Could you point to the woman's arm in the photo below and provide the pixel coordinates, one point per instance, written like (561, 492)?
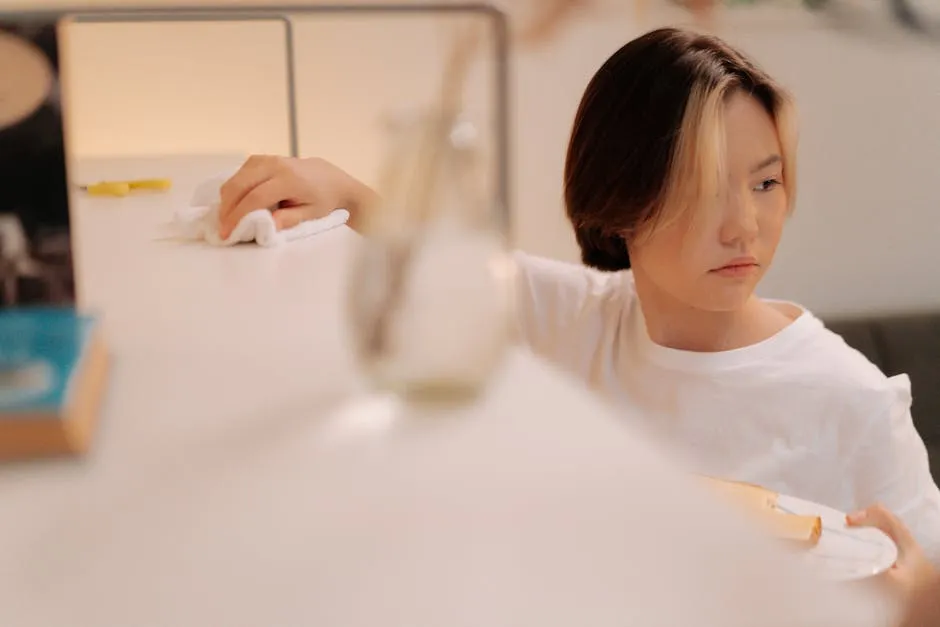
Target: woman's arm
(566, 311)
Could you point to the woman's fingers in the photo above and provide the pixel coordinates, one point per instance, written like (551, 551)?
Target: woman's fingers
(289, 218)
(263, 182)
(912, 567)
(253, 172)
(267, 195)
(294, 189)
(880, 518)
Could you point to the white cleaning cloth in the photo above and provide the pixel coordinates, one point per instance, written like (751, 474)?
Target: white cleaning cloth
(201, 221)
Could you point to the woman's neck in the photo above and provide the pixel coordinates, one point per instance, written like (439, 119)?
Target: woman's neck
(674, 324)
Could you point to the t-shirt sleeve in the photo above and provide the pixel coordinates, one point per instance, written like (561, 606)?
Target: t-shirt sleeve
(892, 468)
(556, 300)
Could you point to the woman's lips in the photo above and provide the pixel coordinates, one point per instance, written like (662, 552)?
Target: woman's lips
(737, 269)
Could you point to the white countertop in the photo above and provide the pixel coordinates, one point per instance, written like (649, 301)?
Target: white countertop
(238, 479)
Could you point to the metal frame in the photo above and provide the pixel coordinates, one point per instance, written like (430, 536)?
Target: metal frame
(284, 14)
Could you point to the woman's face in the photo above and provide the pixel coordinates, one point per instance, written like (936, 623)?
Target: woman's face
(713, 257)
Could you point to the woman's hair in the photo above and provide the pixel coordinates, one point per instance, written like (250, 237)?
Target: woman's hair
(647, 142)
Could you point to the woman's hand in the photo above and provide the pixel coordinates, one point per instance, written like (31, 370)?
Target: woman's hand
(912, 570)
(295, 190)
(924, 608)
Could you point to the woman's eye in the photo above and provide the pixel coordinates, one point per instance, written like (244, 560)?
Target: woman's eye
(767, 185)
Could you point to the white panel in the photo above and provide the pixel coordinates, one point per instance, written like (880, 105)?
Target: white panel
(177, 88)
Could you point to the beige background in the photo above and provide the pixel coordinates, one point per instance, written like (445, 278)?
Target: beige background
(865, 235)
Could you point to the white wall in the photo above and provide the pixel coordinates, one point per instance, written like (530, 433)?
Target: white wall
(866, 235)
(133, 91)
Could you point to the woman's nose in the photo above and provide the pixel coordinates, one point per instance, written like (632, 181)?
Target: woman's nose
(740, 219)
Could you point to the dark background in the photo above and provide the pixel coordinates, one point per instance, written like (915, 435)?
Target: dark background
(34, 187)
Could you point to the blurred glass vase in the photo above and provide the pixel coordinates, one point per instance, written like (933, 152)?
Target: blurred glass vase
(431, 285)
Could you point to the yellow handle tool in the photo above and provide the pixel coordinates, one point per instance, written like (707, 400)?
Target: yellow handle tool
(123, 188)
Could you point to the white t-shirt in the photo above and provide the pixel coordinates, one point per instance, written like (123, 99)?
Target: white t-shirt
(801, 412)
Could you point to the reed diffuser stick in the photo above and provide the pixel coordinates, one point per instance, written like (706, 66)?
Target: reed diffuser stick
(444, 116)
(549, 17)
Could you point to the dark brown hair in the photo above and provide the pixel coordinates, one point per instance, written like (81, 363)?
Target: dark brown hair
(646, 141)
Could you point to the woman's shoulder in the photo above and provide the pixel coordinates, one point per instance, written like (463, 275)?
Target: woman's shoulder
(832, 362)
(558, 277)
(565, 308)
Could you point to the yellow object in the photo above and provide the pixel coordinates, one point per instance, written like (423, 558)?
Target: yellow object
(761, 504)
(108, 189)
(123, 188)
(152, 184)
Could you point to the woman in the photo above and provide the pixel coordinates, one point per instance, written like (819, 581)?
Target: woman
(924, 609)
(682, 165)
